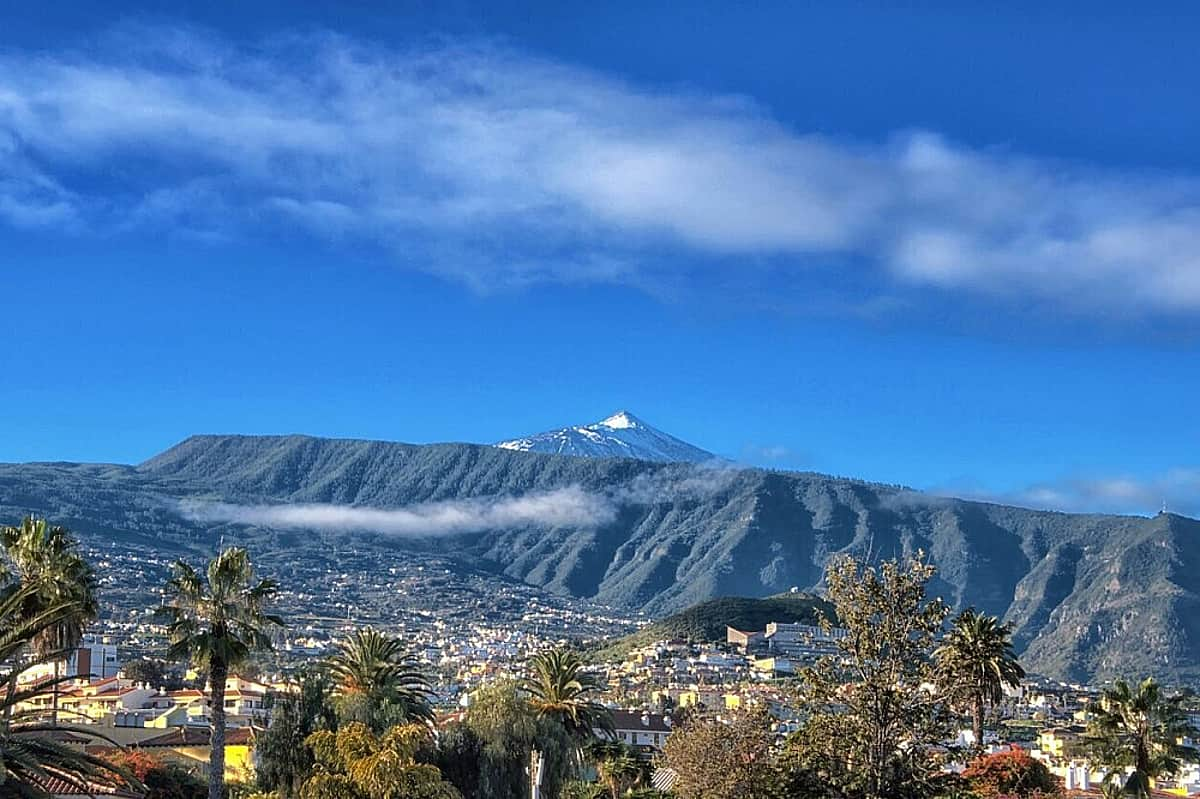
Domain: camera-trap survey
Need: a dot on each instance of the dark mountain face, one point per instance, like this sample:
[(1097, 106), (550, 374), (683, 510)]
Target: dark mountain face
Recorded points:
[(1090, 596)]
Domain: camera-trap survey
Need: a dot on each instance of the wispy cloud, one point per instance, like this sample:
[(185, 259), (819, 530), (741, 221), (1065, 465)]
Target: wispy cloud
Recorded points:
[(566, 507), (571, 506), (495, 168), (1178, 489), (768, 453)]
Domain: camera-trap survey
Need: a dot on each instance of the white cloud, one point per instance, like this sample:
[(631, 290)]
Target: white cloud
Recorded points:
[(754, 453), (1178, 489), (566, 507), (496, 168), (571, 506)]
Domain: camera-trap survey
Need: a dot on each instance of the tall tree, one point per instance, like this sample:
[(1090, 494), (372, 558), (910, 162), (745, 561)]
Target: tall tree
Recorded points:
[(1139, 728), (377, 683), (47, 558), (619, 766), (509, 730), (284, 759), (355, 763), (976, 662), (216, 620), (30, 759), (713, 759), (559, 688), (874, 715), (459, 755)]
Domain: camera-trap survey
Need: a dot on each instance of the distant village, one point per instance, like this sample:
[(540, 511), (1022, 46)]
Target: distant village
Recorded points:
[(648, 691)]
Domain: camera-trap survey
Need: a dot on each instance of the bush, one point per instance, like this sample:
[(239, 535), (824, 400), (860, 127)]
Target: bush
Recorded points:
[(1010, 773), (162, 780)]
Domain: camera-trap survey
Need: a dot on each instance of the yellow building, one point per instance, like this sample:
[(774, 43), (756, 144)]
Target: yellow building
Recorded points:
[(189, 747), (1054, 742)]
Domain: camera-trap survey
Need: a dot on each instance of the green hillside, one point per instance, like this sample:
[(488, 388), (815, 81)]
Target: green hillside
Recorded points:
[(706, 622), (1089, 596)]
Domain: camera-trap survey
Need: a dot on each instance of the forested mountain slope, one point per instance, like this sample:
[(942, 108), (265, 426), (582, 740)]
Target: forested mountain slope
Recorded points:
[(1090, 595)]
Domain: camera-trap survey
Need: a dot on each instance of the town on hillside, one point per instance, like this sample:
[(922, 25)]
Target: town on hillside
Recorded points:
[(579, 708)]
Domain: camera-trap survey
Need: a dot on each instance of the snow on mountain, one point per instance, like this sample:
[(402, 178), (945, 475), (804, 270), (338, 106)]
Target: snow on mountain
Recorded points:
[(621, 435)]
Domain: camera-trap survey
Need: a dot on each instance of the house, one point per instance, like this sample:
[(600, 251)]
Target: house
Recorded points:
[(645, 731), (245, 701), (1055, 743), (189, 747)]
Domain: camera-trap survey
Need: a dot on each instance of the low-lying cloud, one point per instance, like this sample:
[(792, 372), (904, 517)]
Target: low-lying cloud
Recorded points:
[(692, 482), (564, 507), (497, 168), (572, 506)]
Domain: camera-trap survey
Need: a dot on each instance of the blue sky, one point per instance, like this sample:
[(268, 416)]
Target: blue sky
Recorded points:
[(954, 249)]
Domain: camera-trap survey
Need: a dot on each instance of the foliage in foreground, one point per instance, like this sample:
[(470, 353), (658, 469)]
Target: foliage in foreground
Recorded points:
[(717, 760), (1011, 773), (976, 663), (285, 760), (216, 620), (36, 605), (161, 780), (1139, 728), (377, 683), (874, 714), (508, 730), (355, 763)]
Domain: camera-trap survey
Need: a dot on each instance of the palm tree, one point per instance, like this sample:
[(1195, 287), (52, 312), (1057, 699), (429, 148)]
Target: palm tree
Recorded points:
[(47, 559), (977, 662), (559, 687), (216, 621), (1140, 728), (30, 759), (377, 683)]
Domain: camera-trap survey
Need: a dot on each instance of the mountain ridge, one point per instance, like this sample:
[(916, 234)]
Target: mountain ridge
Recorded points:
[(1090, 596)]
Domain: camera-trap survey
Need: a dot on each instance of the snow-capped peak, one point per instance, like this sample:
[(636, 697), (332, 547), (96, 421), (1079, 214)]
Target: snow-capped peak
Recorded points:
[(621, 420), (621, 435)]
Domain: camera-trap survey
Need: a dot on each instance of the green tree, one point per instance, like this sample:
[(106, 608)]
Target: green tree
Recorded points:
[(1140, 728), (458, 754), (47, 558), (355, 763), (29, 758), (873, 714), (559, 688), (510, 730), (216, 621), (284, 760), (619, 767), (714, 759), (377, 683), (154, 672), (976, 662)]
